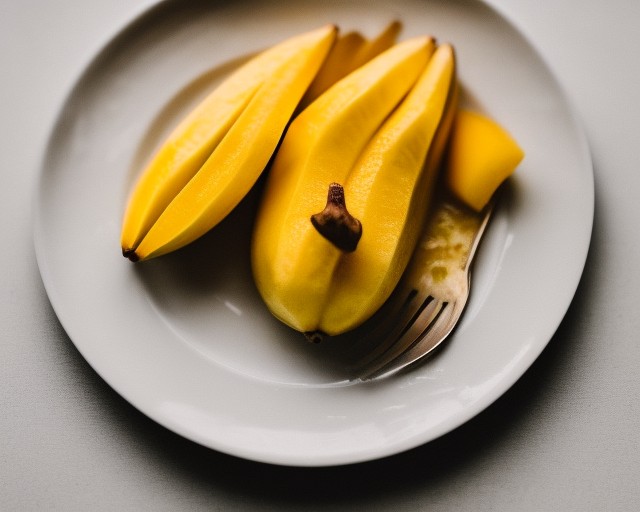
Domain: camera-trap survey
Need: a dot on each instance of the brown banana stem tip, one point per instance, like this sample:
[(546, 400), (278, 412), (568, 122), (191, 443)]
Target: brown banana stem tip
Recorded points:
[(314, 336), (130, 254), (335, 223)]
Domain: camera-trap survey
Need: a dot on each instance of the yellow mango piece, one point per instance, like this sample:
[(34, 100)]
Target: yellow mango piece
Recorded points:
[(213, 158), (482, 154), (349, 52), (293, 264)]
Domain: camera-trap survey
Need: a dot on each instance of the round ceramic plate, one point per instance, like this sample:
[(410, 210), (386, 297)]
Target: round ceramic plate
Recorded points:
[(187, 340)]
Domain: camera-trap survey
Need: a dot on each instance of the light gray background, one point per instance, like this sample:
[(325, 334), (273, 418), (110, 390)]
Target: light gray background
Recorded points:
[(565, 437)]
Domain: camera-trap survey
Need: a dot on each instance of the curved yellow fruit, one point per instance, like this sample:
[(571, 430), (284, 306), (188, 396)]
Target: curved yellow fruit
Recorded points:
[(336, 66), (389, 191), (349, 52), (482, 154), (216, 154), (294, 266)]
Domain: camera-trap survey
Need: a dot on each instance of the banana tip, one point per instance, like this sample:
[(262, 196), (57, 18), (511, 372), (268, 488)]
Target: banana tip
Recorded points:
[(130, 254)]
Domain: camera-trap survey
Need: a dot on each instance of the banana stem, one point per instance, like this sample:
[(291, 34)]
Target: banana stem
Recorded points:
[(335, 223), (130, 254)]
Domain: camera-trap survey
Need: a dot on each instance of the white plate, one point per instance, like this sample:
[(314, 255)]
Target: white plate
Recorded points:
[(186, 339)]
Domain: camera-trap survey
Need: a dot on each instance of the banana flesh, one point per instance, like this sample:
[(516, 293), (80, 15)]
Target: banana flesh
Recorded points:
[(346, 136), (214, 157), (350, 51), (389, 191)]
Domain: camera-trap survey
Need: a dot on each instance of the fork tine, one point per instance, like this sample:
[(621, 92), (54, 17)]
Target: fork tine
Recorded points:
[(399, 316), (423, 345), (394, 320), (402, 340)]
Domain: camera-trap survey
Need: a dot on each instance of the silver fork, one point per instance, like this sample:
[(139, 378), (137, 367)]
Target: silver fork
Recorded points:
[(432, 294)]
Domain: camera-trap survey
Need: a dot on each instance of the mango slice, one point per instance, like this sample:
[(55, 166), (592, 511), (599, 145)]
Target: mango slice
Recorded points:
[(296, 269), (482, 154), (214, 157)]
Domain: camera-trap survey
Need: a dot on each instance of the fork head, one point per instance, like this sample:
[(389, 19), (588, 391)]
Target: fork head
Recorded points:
[(425, 324), (432, 295)]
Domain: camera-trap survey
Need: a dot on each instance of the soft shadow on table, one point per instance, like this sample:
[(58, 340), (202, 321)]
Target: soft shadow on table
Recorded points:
[(206, 473)]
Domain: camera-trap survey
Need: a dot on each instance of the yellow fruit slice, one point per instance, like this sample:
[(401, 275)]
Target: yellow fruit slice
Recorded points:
[(389, 192), (216, 154), (293, 264), (349, 52), (336, 66), (482, 154), (376, 46)]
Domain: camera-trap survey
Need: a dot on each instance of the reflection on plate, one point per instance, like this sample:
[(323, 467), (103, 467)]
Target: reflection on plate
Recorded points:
[(186, 339)]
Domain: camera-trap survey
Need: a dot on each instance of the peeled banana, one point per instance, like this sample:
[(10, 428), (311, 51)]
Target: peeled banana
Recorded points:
[(370, 145), (350, 51), (214, 157)]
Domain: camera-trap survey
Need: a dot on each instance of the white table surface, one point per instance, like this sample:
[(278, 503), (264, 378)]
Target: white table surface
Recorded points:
[(565, 437)]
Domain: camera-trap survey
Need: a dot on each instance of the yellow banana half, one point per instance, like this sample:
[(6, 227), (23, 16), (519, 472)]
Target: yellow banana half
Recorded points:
[(348, 137), (214, 157), (389, 191), (350, 51)]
